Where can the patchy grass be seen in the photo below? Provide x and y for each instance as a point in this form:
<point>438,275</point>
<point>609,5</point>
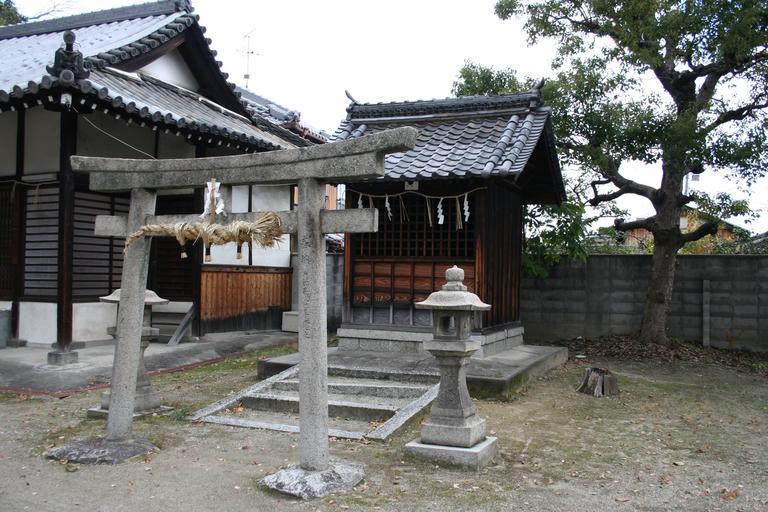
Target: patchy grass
<point>679,436</point>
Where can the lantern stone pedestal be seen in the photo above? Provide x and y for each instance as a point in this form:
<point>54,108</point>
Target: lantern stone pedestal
<point>147,400</point>
<point>453,433</point>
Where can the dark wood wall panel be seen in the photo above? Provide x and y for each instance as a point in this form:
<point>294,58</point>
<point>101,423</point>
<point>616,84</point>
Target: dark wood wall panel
<point>239,298</point>
<point>41,251</point>
<point>401,282</point>
<point>97,260</point>
<point>171,276</point>
<point>499,252</point>
<point>9,238</point>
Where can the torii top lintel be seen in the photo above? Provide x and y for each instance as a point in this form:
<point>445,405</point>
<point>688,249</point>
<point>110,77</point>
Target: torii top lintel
<point>338,162</point>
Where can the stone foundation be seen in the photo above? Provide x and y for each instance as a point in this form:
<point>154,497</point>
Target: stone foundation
<point>380,339</point>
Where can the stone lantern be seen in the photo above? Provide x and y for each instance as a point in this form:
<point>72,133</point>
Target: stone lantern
<point>453,433</point>
<point>147,397</point>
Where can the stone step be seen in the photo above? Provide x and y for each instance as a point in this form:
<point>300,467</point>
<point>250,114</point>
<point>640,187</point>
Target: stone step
<point>336,408</point>
<point>288,422</point>
<point>370,388</point>
<point>420,375</point>
<point>343,397</point>
<point>272,404</point>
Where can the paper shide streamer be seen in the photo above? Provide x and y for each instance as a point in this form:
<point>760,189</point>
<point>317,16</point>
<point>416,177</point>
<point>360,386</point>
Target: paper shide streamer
<point>460,202</point>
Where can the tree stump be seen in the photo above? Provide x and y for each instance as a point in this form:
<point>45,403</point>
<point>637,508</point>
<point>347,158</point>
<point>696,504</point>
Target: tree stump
<point>599,382</point>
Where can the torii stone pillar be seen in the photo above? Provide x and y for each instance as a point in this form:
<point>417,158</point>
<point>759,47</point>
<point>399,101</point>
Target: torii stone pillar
<point>312,168</point>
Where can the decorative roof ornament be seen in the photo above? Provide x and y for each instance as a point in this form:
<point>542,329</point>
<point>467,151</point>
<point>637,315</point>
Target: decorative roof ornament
<point>68,63</point>
<point>184,5</point>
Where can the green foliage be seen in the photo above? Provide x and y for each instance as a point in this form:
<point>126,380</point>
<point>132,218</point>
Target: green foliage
<point>723,206</point>
<point>9,14</point>
<point>475,79</point>
<point>553,231</point>
<point>689,79</point>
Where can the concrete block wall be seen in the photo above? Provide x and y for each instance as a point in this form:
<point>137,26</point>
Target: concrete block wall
<point>606,295</point>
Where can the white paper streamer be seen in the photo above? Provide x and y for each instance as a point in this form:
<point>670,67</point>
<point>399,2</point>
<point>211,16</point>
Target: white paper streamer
<point>389,208</point>
<point>440,216</point>
<point>360,201</point>
<point>213,196</point>
<point>466,207</point>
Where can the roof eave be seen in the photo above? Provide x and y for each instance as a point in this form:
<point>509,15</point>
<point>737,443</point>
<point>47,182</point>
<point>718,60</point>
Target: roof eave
<point>95,18</point>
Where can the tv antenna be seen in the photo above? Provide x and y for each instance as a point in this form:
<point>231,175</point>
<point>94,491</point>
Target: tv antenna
<point>248,54</point>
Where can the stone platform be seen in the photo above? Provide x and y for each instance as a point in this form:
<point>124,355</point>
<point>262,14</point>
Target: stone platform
<point>499,376</point>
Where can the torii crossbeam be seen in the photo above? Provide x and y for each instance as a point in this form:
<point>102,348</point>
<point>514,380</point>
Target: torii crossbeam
<point>312,168</point>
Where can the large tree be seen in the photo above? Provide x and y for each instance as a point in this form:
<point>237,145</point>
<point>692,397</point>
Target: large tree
<point>679,84</point>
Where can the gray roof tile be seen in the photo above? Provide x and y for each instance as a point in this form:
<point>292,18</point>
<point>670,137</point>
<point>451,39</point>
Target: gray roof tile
<point>113,36</point>
<point>458,137</point>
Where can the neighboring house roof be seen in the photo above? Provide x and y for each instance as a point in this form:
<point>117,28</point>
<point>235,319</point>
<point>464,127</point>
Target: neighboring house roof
<point>128,38</point>
<point>280,115</point>
<point>469,137</point>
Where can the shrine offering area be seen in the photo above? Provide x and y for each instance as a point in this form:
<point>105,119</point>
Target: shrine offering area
<point>679,436</point>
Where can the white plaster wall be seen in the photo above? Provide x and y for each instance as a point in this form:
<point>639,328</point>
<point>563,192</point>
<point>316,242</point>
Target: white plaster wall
<point>266,198</point>
<point>6,305</point>
<point>91,319</point>
<point>42,139</point>
<point>92,142</point>
<point>37,322</point>
<point>171,146</point>
<point>171,68</point>
<point>8,128</point>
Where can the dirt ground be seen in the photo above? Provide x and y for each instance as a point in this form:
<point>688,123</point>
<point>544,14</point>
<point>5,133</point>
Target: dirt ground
<point>680,436</point>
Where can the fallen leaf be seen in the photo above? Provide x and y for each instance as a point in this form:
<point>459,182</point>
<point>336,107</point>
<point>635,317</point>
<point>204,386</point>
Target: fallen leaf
<point>678,463</point>
<point>729,494</point>
<point>665,479</point>
<point>621,499</point>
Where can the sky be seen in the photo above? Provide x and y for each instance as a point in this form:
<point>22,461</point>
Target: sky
<point>305,53</point>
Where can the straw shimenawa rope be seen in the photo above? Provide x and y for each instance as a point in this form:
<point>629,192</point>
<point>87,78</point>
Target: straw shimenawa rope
<point>264,232</point>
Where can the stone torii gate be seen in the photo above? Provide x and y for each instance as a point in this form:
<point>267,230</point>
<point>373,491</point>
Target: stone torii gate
<point>311,168</point>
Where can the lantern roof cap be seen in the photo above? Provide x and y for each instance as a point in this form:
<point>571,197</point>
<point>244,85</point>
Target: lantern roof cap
<point>453,296</point>
<point>150,298</point>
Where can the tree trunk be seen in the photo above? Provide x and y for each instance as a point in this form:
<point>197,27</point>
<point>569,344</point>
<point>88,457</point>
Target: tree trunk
<point>654,325</point>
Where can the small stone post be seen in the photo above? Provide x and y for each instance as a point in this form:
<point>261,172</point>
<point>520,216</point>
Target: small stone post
<point>313,331</point>
<point>453,433</point>
<point>316,475</point>
<point>118,445</point>
<point>130,320</point>
<point>147,397</point>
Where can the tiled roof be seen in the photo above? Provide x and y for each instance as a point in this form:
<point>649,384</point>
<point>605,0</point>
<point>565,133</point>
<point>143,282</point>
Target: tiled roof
<point>158,101</point>
<point>279,115</point>
<point>468,137</point>
<point>95,18</point>
<point>113,37</point>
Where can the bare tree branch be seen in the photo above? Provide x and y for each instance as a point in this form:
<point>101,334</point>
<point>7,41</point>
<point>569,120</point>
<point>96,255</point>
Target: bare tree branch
<point>708,228</point>
<point>736,114</point>
<point>707,89</point>
<point>647,223</point>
